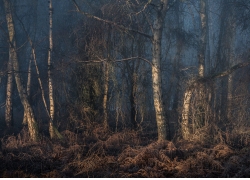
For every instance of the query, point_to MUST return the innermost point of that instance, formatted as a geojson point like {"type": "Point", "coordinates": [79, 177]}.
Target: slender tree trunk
{"type": "Point", "coordinates": [209, 65]}
{"type": "Point", "coordinates": [105, 94]}
{"type": "Point", "coordinates": [201, 61]}
{"type": "Point", "coordinates": [156, 71]}
{"type": "Point", "coordinates": [106, 66]}
{"type": "Point", "coordinates": [28, 89]}
{"type": "Point", "coordinates": [32, 125]}
{"type": "Point", "coordinates": [201, 73]}
{"type": "Point", "coordinates": [50, 82]}
{"type": "Point", "coordinates": [157, 93]}
{"type": "Point", "coordinates": [177, 59]}
{"type": "Point", "coordinates": [33, 56]}
{"type": "Point", "coordinates": [203, 39]}
{"type": "Point", "coordinates": [41, 86]}
{"type": "Point", "coordinates": [38, 78]}
{"type": "Point", "coordinates": [133, 68]}
{"type": "Point", "coordinates": [9, 89]}
{"type": "Point", "coordinates": [185, 114]}
{"type": "Point", "coordinates": [133, 113]}
{"type": "Point", "coordinates": [230, 54]}
{"type": "Point", "coordinates": [157, 28]}
{"type": "Point", "coordinates": [136, 67]}
{"type": "Point", "coordinates": [211, 96]}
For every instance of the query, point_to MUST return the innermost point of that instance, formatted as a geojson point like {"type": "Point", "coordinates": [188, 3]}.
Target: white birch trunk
{"type": "Point", "coordinates": [9, 89]}
{"type": "Point", "coordinates": [28, 89]}
{"type": "Point", "coordinates": [201, 73]}
{"type": "Point", "coordinates": [50, 82]}
{"type": "Point", "coordinates": [32, 125]}
{"type": "Point", "coordinates": [185, 114]}
{"type": "Point", "coordinates": [156, 71]}
{"type": "Point", "coordinates": [202, 50]}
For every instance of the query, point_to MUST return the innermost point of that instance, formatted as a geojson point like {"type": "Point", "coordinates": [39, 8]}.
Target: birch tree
{"type": "Point", "coordinates": [156, 69]}
{"type": "Point", "coordinates": [32, 125]}
{"type": "Point", "coordinates": [52, 129]}
{"type": "Point", "coordinates": [202, 49]}
{"type": "Point", "coordinates": [105, 94]}
{"type": "Point", "coordinates": [201, 72]}
{"type": "Point", "coordinates": [161, 7]}
{"type": "Point", "coordinates": [9, 91]}
{"type": "Point", "coordinates": [28, 88]}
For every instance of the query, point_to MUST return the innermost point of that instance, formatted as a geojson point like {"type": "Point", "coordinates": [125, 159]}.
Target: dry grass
{"type": "Point", "coordinates": [124, 154]}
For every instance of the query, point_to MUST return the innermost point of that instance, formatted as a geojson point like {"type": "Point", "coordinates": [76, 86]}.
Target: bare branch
{"type": "Point", "coordinates": [119, 60]}
{"type": "Point", "coordinates": [192, 84]}
{"type": "Point", "coordinates": [36, 66]}
{"type": "Point", "coordinates": [110, 22]}
{"type": "Point", "coordinates": [229, 71]}
{"type": "Point", "coordinates": [144, 7]}
{"type": "Point", "coordinates": [223, 73]}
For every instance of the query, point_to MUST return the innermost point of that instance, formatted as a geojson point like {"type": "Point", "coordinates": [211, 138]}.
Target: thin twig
{"type": "Point", "coordinates": [119, 60]}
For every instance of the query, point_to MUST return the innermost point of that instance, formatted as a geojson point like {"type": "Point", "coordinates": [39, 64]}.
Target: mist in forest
{"type": "Point", "coordinates": [124, 88]}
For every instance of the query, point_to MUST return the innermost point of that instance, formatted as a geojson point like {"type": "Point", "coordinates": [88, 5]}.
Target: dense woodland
{"type": "Point", "coordinates": [125, 88]}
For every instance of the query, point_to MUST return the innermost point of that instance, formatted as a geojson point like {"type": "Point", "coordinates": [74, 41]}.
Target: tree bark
{"type": "Point", "coordinates": [156, 71]}
{"type": "Point", "coordinates": [202, 51]}
{"type": "Point", "coordinates": [157, 28]}
{"type": "Point", "coordinates": [50, 80]}
{"type": "Point", "coordinates": [201, 73]}
{"type": "Point", "coordinates": [28, 89]}
{"type": "Point", "coordinates": [105, 94]}
{"type": "Point", "coordinates": [9, 89]}
{"type": "Point", "coordinates": [32, 125]}
{"type": "Point", "coordinates": [185, 114]}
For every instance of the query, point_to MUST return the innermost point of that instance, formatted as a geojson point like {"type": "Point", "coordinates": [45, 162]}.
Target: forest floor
{"type": "Point", "coordinates": [121, 154]}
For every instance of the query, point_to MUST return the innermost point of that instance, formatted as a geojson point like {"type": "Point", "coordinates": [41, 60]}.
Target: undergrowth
{"type": "Point", "coordinates": [101, 153]}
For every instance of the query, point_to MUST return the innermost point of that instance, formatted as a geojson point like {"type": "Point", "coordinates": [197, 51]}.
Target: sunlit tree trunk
{"type": "Point", "coordinates": [157, 28]}
{"type": "Point", "coordinates": [185, 114]}
{"type": "Point", "coordinates": [156, 70]}
{"type": "Point", "coordinates": [201, 72]}
{"type": "Point", "coordinates": [33, 57]}
{"type": "Point", "coordinates": [202, 50]}
{"type": "Point", "coordinates": [50, 82]}
{"type": "Point", "coordinates": [9, 89]}
{"type": "Point", "coordinates": [28, 89]}
{"type": "Point", "coordinates": [32, 125]}
{"type": "Point", "coordinates": [33, 52]}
